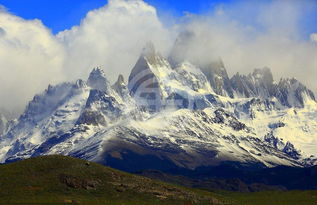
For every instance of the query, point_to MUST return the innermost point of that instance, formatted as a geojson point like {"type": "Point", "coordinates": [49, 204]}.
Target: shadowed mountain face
{"type": "Point", "coordinates": [232, 178]}
{"type": "Point", "coordinates": [170, 115]}
{"type": "Point", "coordinates": [289, 92]}
{"type": "Point", "coordinates": [218, 78]}
{"type": "Point", "coordinates": [259, 83]}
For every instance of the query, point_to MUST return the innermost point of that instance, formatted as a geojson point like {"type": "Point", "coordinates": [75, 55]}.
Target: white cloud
{"type": "Point", "coordinates": [269, 35]}
{"type": "Point", "coordinates": [112, 37]}
{"type": "Point", "coordinates": [30, 58]}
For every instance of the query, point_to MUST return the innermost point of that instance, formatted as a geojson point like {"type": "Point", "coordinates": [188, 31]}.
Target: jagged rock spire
{"type": "Point", "coordinates": [120, 80]}
{"type": "Point", "coordinates": [144, 79]}
{"type": "Point", "coordinates": [150, 54]}
{"type": "Point", "coordinates": [181, 50]}
{"type": "Point", "coordinates": [80, 84]}
{"type": "Point", "coordinates": [218, 78]}
{"type": "Point", "coordinates": [97, 80]}
{"type": "Point", "coordinates": [120, 87]}
{"type": "Point", "coordinates": [260, 84]}
{"type": "Point", "coordinates": [263, 75]}
{"type": "Point", "coordinates": [144, 67]}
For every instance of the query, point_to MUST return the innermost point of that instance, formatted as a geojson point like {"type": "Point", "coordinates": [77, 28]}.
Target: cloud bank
{"type": "Point", "coordinates": [269, 36]}
{"type": "Point", "coordinates": [112, 37]}
{"type": "Point", "coordinates": [30, 58]}
{"type": "Point", "coordinates": [246, 35]}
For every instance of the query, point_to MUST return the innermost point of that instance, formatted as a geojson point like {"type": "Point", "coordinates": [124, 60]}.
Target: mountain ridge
{"type": "Point", "coordinates": [178, 116]}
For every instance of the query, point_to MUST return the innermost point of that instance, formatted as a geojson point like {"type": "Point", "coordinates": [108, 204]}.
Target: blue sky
{"type": "Point", "coordinates": [59, 15]}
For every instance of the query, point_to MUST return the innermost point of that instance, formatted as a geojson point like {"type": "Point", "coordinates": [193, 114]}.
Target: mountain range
{"type": "Point", "coordinates": [171, 115]}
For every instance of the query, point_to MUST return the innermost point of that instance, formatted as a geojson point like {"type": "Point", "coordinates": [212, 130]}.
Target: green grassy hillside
{"type": "Point", "coordinates": [275, 198]}
{"type": "Point", "coordinates": [65, 180]}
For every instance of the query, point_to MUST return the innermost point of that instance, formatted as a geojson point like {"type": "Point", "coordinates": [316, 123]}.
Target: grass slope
{"type": "Point", "coordinates": [275, 198]}
{"type": "Point", "coordinates": [65, 180]}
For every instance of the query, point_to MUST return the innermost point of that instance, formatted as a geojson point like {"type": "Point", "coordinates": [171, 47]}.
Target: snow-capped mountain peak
{"type": "Point", "coordinates": [97, 80]}
{"type": "Point", "coordinates": [121, 87]}
{"type": "Point", "coordinates": [263, 75]}
{"type": "Point", "coordinates": [181, 116]}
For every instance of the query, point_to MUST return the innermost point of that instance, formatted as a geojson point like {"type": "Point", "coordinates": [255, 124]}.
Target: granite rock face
{"type": "Point", "coordinates": [218, 78]}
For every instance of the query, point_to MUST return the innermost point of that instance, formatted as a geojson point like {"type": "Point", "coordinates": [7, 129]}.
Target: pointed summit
{"type": "Point", "coordinates": [218, 64]}
{"type": "Point", "coordinates": [181, 49]}
{"type": "Point", "coordinates": [120, 80]}
{"type": "Point", "coordinates": [145, 77]}
{"type": "Point", "coordinates": [97, 80]}
{"type": "Point", "coordinates": [148, 64]}
{"type": "Point", "coordinates": [218, 78]}
{"type": "Point", "coordinates": [150, 54]}
{"type": "Point", "coordinates": [259, 83]}
{"type": "Point", "coordinates": [120, 86]}
{"type": "Point", "coordinates": [97, 72]}
{"type": "Point", "coordinates": [293, 93]}
{"type": "Point", "coordinates": [263, 75]}
{"type": "Point", "coordinates": [143, 74]}
{"type": "Point", "coordinates": [80, 84]}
